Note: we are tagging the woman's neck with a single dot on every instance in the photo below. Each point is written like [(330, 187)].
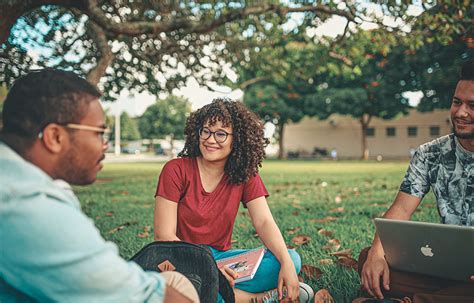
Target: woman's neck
[(214, 169)]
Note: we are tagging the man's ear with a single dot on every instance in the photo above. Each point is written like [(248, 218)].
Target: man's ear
[(54, 138)]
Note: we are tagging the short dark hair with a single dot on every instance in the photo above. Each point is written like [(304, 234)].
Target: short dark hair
[(248, 145), (467, 70), (42, 97)]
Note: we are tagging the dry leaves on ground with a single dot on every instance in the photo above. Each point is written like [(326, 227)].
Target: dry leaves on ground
[(311, 272), (109, 214), (326, 262), (347, 262), (301, 239), (342, 253), (120, 227), (145, 233), (325, 232), (294, 230), (323, 296), (323, 220)]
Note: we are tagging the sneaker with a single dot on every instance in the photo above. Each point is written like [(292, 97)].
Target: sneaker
[(306, 294)]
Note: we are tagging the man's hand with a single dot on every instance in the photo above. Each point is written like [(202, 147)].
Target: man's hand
[(230, 275), (472, 278), (375, 267)]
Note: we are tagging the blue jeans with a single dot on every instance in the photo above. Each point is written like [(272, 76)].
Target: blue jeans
[(266, 277)]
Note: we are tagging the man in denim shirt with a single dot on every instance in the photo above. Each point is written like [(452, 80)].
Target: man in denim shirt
[(447, 166), (54, 134)]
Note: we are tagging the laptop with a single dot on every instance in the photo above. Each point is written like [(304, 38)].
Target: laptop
[(445, 251)]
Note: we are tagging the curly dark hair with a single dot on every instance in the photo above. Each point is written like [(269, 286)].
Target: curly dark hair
[(248, 145)]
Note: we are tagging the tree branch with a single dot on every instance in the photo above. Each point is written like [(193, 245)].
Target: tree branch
[(252, 81), (106, 56)]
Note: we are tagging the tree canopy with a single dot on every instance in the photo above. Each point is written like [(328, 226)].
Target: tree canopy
[(166, 117), (156, 45)]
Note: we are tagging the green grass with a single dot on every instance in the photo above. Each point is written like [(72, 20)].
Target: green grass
[(121, 204)]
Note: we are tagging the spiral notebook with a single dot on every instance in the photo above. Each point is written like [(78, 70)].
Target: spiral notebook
[(244, 264)]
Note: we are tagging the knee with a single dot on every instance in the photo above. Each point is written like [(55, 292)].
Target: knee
[(295, 257)]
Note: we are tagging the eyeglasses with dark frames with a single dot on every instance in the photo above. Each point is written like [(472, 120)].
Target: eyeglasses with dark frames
[(220, 135)]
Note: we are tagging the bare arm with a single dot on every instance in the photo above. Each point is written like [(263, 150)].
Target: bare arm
[(166, 216), (270, 235), (376, 267)]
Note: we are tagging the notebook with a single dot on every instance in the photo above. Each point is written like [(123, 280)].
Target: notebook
[(440, 250), (244, 264)]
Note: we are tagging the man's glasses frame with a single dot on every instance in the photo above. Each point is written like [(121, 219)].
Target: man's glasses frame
[(219, 135), (103, 132)]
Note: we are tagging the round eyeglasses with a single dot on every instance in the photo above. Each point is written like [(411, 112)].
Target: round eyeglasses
[(220, 135)]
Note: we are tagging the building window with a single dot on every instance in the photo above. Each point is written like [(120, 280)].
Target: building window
[(412, 131), (370, 132), (390, 131), (434, 131)]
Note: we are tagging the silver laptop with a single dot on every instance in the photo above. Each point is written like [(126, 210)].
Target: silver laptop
[(441, 250)]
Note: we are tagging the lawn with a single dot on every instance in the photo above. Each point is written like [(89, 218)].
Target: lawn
[(320, 207)]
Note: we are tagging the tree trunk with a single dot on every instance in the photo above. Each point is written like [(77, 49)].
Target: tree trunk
[(281, 152), (172, 154), (364, 123)]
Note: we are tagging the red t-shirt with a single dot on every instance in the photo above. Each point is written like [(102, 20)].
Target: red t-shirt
[(205, 218)]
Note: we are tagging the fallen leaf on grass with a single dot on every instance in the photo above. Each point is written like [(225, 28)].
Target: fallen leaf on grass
[(145, 233), (295, 213), (109, 214), (325, 232), (323, 296), (311, 272), (325, 262), (337, 210), (255, 235), (293, 230), (333, 244), (120, 227), (342, 253), (338, 199), (125, 193), (347, 262), (323, 220), (233, 241), (301, 239)]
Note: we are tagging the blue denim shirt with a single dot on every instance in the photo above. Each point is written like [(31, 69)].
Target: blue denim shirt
[(51, 252)]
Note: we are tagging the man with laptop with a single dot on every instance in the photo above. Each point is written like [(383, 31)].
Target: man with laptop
[(447, 166)]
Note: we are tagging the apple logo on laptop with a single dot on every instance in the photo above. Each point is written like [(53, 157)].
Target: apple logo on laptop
[(427, 251)]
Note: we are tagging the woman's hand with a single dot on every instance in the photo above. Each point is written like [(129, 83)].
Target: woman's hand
[(230, 275), (288, 279)]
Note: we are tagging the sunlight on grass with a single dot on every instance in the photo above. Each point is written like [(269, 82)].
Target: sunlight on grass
[(303, 194)]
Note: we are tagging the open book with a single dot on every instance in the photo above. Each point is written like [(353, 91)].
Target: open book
[(244, 264)]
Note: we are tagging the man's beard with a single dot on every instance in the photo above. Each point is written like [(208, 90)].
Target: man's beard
[(72, 170), (467, 136)]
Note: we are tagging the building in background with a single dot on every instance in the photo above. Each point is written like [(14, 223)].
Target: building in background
[(390, 139)]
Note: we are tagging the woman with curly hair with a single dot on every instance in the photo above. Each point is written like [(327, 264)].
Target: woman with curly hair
[(198, 196)]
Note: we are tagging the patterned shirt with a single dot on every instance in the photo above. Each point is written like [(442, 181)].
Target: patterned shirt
[(448, 168)]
